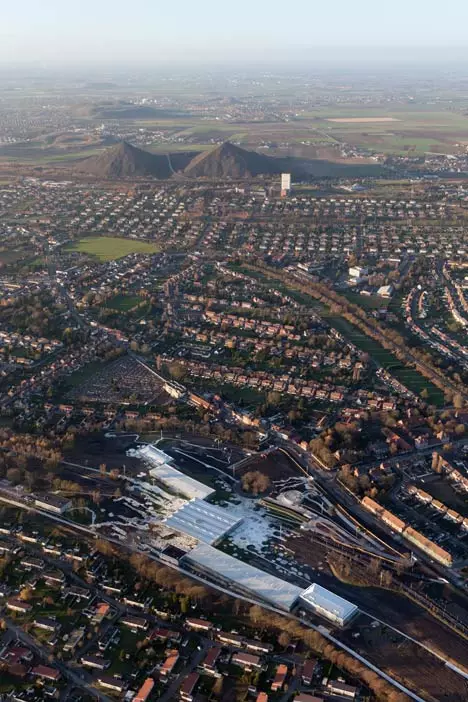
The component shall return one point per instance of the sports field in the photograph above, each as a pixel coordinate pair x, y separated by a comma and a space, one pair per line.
110, 248
123, 303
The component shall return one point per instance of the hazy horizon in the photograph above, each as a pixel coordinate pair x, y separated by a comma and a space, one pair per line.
105, 32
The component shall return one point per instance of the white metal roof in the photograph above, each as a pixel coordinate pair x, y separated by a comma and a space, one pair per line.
180, 483
268, 587
155, 455
327, 601
203, 521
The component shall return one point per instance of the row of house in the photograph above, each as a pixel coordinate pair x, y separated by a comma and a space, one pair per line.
415, 537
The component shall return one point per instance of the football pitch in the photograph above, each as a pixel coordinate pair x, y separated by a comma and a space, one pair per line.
110, 248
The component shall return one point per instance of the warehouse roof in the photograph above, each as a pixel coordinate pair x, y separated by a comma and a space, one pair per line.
155, 455
179, 482
256, 581
203, 521
323, 599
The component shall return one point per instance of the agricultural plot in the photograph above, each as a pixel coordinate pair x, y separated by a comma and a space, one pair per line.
392, 131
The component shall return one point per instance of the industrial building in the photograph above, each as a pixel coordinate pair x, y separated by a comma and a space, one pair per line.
253, 582
203, 521
170, 477
180, 483
385, 291
328, 605
52, 503
155, 455
357, 273
234, 574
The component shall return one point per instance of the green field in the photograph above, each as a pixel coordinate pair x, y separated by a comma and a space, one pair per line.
419, 130
367, 302
110, 248
166, 147
123, 303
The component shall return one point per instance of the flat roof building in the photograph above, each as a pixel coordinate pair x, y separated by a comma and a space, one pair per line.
180, 483
155, 455
52, 503
385, 291
328, 605
243, 577
203, 521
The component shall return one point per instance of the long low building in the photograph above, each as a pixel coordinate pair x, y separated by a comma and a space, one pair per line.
203, 521
243, 577
328, 605
428, 546
253, 582
416, 538
172, 478
52, 503
155, 455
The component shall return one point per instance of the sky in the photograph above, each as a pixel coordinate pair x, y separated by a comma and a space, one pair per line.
61, 32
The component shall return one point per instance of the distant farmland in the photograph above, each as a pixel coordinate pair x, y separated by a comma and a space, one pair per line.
110, 248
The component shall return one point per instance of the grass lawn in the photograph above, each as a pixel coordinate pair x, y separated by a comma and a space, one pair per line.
80, 376
368, 302
169, 147
109, 248
123, 303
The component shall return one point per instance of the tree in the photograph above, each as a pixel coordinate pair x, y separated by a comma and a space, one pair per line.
26, 594
14, 476
255, 482
177, 371
256, 614
273, 398
218, 688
